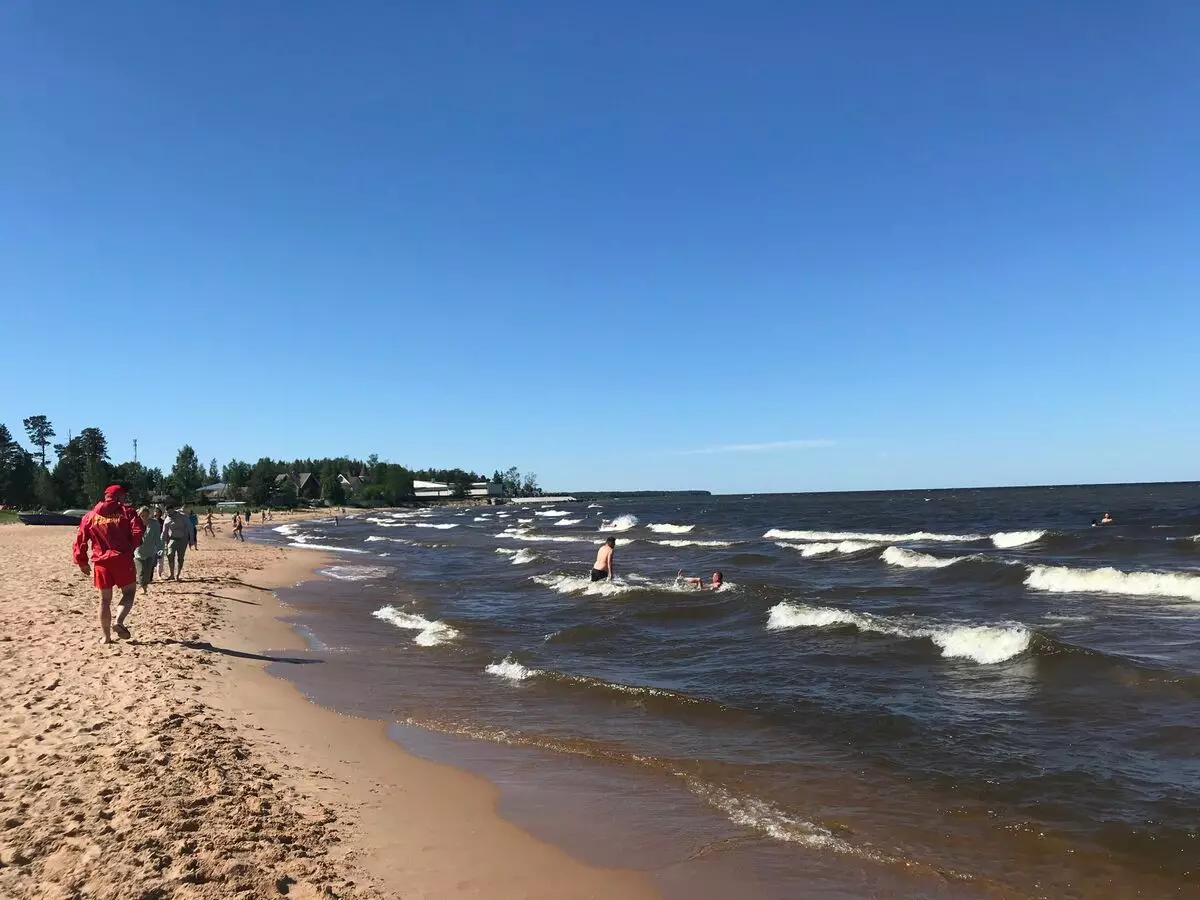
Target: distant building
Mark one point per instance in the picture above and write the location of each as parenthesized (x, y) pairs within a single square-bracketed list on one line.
[(213, 492), (429, 490), (352, 483), (307, 484)]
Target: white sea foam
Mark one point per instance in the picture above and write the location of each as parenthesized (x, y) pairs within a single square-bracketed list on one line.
[(511, 669), (687, 543), (544, 538), (578, 584), (507, 551), (565, 522), (620, 523), (1006, 539), (356, 573), (429, 633), (1064, 580), (288, 530), (301, 545), (771, 821), (825, 548), (441, 526), (867, 537), (667, 528), (481, 519), (378, 537), (523, 556), (552, 512), (502, 515), (525, 521), (911, 559), (984, 644), (594, 506), (386, 523)]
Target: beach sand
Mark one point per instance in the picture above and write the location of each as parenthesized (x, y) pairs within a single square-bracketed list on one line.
[(175, 766)]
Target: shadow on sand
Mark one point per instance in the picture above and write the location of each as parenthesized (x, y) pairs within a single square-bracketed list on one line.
[(240, 654)]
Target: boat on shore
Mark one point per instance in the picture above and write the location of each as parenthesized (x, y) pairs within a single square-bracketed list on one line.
[(66, 517)]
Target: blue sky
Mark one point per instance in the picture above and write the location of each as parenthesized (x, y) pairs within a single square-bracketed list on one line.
[(751, 246)]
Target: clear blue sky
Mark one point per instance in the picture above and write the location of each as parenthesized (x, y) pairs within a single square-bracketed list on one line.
[(902, 244)]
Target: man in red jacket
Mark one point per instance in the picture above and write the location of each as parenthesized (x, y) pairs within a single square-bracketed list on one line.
[(114, 531)]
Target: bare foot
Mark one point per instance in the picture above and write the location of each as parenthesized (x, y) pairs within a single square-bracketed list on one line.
[(105, 639)]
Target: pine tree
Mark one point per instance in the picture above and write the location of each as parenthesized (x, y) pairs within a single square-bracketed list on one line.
[(40, 431)]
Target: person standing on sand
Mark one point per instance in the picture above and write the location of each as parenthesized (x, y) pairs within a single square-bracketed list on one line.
[(208, 525), (149, 551), (114, 532), (237, 528), (194, 521), (157, 525), (177, 537), (603, 568)]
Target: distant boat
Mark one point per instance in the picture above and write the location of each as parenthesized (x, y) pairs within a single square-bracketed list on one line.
[(66, 517)]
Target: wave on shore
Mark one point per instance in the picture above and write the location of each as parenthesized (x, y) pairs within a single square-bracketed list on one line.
[(620, 523), (826, 548), (984, 644), (356, 573), (784, 534), (911, 559), (668, 528), (1005, 539), (1067, 580), (688, 543), (429, 633)]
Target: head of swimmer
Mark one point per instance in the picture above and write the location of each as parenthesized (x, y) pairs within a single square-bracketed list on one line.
[(612, 541), (717, 579)]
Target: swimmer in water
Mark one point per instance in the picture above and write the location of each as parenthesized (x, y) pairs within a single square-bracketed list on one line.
[(602, 570), (717, 581), (1106, 519)]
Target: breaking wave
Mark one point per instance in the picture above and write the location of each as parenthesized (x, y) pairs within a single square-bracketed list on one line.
[(580, 584), (557, 513), (522, 556), (1005, 539), (301, 545), (911, 559), (1065, 580), (620, 523), (667, 528), (867, 537), (687, 543), (356, 573), (565, 522), (510, 669), (429, 633), (825, 548), (984, 644), (441, 526)]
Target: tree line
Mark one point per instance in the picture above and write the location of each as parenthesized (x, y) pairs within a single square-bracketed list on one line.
[(82, 468)]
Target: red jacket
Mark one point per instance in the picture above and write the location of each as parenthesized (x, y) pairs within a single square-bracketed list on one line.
[(114, 529)]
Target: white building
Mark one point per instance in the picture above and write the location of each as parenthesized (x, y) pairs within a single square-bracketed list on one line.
[(427, 490)]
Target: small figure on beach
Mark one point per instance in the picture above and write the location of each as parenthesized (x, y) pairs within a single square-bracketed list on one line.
[(715, 584), (237, 528), (194, 521), (114, 531), (158, 529), (148, 554), (602, 569), (208, 525), (177, 537)]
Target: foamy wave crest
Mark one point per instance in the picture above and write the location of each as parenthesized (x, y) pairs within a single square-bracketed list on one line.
[(578, 584), (1064, 580), (288, 530), (301, 545), (525, 521), (767, 819), (441, 526), (545, 538), (523, 556), (783, 534), (984, 644), (911, 559), (552, 512), (356, 573), (620, 523), (568, 522), (429, 633), (594, 506), (481, 519), (1006, 539), (668, 528), (825, 548), (385, 523), (687, 543), (511, 669)]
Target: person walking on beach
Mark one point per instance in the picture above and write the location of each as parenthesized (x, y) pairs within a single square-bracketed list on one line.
[(602, 569), (149, 551), (157, 525), (208, 525), (194, 521), (177, 537), (237, 528), (114, 531)]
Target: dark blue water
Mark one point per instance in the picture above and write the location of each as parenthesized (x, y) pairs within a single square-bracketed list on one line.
[(974, 684)]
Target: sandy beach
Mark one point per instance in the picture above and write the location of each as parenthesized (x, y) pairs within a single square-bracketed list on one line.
[(173, 765)]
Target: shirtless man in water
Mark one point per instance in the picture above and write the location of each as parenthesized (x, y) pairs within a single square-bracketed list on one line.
[(603, 568), (717, 580)]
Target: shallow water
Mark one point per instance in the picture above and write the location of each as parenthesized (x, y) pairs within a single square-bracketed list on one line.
[(973, 687)]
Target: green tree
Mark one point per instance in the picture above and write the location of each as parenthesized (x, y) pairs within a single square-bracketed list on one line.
[(214, 473), (187, 474), (95, 480), (135, 478), (236, 474), (260, 483), (333, 492), (45, 490), (40, 431), (284, 495), (94, 444), (16, 472)]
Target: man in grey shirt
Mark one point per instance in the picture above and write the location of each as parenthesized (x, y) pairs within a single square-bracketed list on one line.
[(177, 536)]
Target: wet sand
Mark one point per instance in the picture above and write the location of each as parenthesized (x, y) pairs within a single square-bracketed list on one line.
[(174, 765)]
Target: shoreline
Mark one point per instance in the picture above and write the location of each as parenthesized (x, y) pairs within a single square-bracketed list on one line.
[(146, 753)]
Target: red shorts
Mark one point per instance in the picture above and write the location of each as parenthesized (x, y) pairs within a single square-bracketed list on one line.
[(114, 573)]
